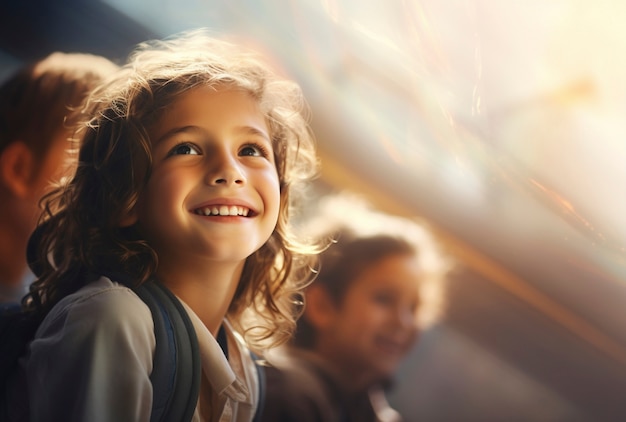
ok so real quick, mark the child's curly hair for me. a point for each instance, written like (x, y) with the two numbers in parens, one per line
(82, 219)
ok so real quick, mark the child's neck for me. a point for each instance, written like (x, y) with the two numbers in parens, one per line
(207, 291)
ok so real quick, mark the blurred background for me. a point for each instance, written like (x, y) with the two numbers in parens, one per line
(499, 124)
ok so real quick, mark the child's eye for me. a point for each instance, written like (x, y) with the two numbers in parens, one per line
(253, 150)
(184, 149)
(383, 298)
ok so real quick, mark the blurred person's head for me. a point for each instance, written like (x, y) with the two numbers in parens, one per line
(39, 105)
(379, 284)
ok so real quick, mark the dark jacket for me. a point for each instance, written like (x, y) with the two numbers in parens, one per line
(299, 389)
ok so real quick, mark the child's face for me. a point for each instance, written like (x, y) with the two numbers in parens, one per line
(376, 324)
(214, 191)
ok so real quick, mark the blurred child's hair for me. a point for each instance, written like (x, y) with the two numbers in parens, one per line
(83, 218)
(361, 237)
(41, 99)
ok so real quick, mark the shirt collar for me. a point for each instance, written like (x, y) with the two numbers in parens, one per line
(215, 364)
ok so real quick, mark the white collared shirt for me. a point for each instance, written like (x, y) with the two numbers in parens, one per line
(232, 392)
(92, 355)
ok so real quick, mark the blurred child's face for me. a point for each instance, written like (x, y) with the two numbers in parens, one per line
(376, 324)
(214, 191)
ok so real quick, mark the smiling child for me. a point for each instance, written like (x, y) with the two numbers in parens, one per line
(186, 177)
(377, 287)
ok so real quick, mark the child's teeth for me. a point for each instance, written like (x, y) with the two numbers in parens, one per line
(224, 210)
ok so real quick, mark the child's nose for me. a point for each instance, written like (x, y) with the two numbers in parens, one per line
(225, 170)
(406, 318)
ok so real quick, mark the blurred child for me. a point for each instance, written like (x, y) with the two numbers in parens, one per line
(38, 109)
(186, 176)
(378, 285)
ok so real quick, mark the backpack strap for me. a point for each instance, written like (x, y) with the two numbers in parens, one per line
(260, 368)
(176, 368)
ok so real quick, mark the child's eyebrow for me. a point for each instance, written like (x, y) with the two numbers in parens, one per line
(251, 130)
(254, 131)
(177, 130)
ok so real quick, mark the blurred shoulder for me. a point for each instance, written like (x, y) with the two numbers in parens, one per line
(297, 391)
(102, 302)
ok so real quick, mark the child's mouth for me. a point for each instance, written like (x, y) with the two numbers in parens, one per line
(223, 210)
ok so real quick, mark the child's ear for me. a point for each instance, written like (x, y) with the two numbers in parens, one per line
(320, 308)
(18, 168)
